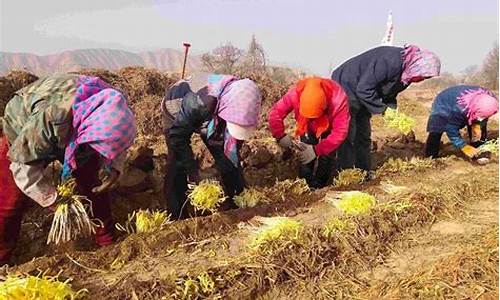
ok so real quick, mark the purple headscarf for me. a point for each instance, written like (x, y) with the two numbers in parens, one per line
(239, 102)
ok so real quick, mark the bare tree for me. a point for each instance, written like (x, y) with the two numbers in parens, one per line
(222, 59)
(255, 58)
(489, 71)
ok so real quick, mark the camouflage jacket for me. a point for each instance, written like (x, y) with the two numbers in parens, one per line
(38, 125)
(37, 120)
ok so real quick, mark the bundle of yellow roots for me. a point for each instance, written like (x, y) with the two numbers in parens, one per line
(71, 219)
(399, 121)
(144, 221)
(352, 202)
(40, 287)
(275, 229)
(207, 195)
(490, 146)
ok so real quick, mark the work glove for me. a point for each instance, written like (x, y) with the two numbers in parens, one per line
(109, 181)
(285, 142)
(476, 132)
(306, 153)
(286, 145)
(470, 151)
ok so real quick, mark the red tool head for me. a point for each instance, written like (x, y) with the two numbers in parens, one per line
(187, 45)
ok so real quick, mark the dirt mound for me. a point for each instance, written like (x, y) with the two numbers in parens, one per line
(20, 78)
(145, 82)
(12, 82)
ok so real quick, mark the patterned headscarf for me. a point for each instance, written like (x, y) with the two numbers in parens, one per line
(419, 62)
(478, 103)
(239, 102)
(101, 119)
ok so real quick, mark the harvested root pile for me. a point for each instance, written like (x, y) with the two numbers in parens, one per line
(490, 146)
(296, 187)
(275, 229)
(349, 176)
(399, 121)
(208, 195)
(337, 225)
(195, 287)
(40, 287)
(398, 165)
(250, 198)
(71, 219)
(353, 202)
(145, 221)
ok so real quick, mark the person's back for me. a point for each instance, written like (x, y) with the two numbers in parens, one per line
(51, 95)
(447, 108)
(349, 73)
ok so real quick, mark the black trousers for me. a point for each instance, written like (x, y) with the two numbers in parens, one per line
(434, 140)
(356, 149)
(318, 172)
(176, 184)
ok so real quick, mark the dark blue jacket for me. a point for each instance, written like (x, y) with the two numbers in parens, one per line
(448, 116)
(372, 79)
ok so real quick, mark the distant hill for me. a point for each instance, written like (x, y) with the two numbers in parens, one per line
(73, 60)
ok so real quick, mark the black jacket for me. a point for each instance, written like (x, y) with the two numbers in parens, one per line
(195, 111)
(372, 79)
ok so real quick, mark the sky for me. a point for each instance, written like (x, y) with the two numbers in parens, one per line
(314, 35)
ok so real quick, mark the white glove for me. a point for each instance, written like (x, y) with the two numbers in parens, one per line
(285, 142)
(306, 154)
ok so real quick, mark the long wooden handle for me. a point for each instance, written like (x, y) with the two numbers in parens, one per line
(186, 49)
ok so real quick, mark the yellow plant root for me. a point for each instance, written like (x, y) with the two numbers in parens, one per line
(399, 121)
(349, 176)
(250, 198)
(353, 202)
(490, 146)
(40, 287)
(276, 228)
(207, 196)
(145, 221)
(71, 219)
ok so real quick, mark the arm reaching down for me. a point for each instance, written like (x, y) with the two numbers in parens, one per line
(339, 121)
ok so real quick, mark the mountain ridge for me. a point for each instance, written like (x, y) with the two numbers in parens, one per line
(165, 59)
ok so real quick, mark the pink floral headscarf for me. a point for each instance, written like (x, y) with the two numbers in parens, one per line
(419, 63)
(239, 102)
(478, 104)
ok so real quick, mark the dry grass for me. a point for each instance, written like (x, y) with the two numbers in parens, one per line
(343, 253)
(471, 272)
(399, 165)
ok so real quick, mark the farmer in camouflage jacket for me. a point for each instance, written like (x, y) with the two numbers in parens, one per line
(80, 121)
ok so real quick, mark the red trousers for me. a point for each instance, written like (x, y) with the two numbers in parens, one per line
(13, 202)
